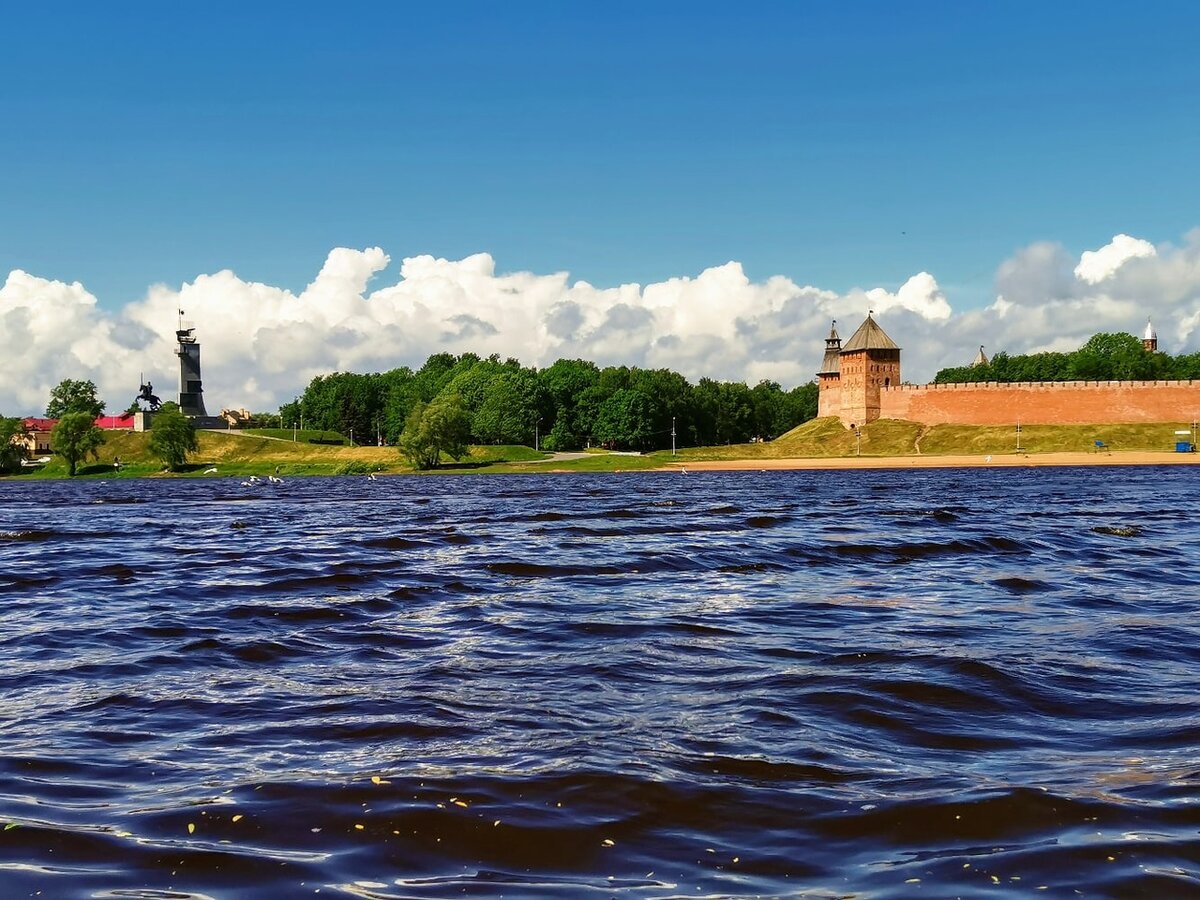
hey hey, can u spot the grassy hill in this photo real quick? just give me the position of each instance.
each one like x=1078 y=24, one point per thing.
x=824 y=438
x=892 y=437
x=239 y=453
x=242 y=453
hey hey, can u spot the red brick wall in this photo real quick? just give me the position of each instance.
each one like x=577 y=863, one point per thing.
x=829 y=396
x=1043 y=403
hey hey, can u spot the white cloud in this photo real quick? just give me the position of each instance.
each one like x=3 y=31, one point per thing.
x=1100 y=265
x=261 y=344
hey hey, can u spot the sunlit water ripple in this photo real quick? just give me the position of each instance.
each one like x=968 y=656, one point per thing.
x=921 y=683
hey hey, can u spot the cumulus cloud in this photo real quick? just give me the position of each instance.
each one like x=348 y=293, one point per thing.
x=1096 y=266
x=261 y=344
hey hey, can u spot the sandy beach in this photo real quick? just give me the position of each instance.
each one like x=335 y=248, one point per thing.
x=1007 y=460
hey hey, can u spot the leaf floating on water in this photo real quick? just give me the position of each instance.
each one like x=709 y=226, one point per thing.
x=358 y=827
x=912 y=880
x=460 y=803
x=375 y=779
x=737 y=859
x=497 y=822
x=10 y=826
x=238 y=817
x=191 y=827
x=995 y=880
x=609 y=842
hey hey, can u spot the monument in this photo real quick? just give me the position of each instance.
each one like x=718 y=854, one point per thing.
x=191 y=387
x=146 y=393
x=191 y=390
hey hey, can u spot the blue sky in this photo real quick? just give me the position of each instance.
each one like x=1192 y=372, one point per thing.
x=837 y=144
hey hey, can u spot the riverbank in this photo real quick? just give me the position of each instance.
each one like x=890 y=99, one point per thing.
x=960 y=461
x=819 y=444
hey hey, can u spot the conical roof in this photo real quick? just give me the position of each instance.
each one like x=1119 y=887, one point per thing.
x=1150 y=334
x=980 y=358
x=831 y=364
x=869 y=337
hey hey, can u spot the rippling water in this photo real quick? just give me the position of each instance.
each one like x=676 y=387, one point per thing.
x=641 y=685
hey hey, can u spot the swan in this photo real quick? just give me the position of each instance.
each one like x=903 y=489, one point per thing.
x=274 y=480
x=211 y=471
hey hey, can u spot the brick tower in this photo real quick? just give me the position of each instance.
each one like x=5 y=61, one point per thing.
x=869 y=362
x=829 y=395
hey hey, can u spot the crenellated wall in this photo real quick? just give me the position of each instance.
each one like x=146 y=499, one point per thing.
x=1042 y=402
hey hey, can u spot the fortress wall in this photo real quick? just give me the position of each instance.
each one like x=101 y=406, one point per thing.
x=829 y=400
x=1042 y=403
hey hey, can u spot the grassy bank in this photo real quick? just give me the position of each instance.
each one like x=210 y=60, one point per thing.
x=245 y=453
x=824 y=438
x=241 y=453
x=303 y=436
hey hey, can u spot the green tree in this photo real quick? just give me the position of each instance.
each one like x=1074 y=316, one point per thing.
x=172 y=436
x=76 y=437
x=735 y=413
x=566 y=424
x=70 y=396
x=508 y=413
x=803 y=401
x=626 y=421
x=432 y=429
x=10 y=451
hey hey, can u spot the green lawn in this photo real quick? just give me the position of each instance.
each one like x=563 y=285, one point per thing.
x=306 y=436
x=244 y=453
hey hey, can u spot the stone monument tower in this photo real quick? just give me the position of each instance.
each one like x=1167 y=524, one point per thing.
x=191 y=392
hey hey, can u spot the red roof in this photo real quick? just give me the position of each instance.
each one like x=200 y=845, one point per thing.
x=34 y=424
x=115 y=423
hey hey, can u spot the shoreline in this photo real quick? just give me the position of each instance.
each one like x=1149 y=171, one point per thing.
x=963 y=461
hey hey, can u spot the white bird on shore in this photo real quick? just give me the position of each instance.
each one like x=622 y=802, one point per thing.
x=211 y=471
x=370 y=476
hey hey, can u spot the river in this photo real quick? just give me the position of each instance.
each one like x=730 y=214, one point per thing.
x=644 y=685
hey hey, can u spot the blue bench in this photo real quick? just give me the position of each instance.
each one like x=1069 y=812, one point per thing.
x=1100 y=445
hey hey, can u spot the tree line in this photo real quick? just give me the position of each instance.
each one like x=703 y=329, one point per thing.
x=566 y=406
x=1105 y=357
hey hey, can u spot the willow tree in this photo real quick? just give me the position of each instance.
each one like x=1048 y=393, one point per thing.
x=442 y=426
x=172 y=436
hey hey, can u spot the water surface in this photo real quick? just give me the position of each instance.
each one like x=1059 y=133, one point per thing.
x=644 y=685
